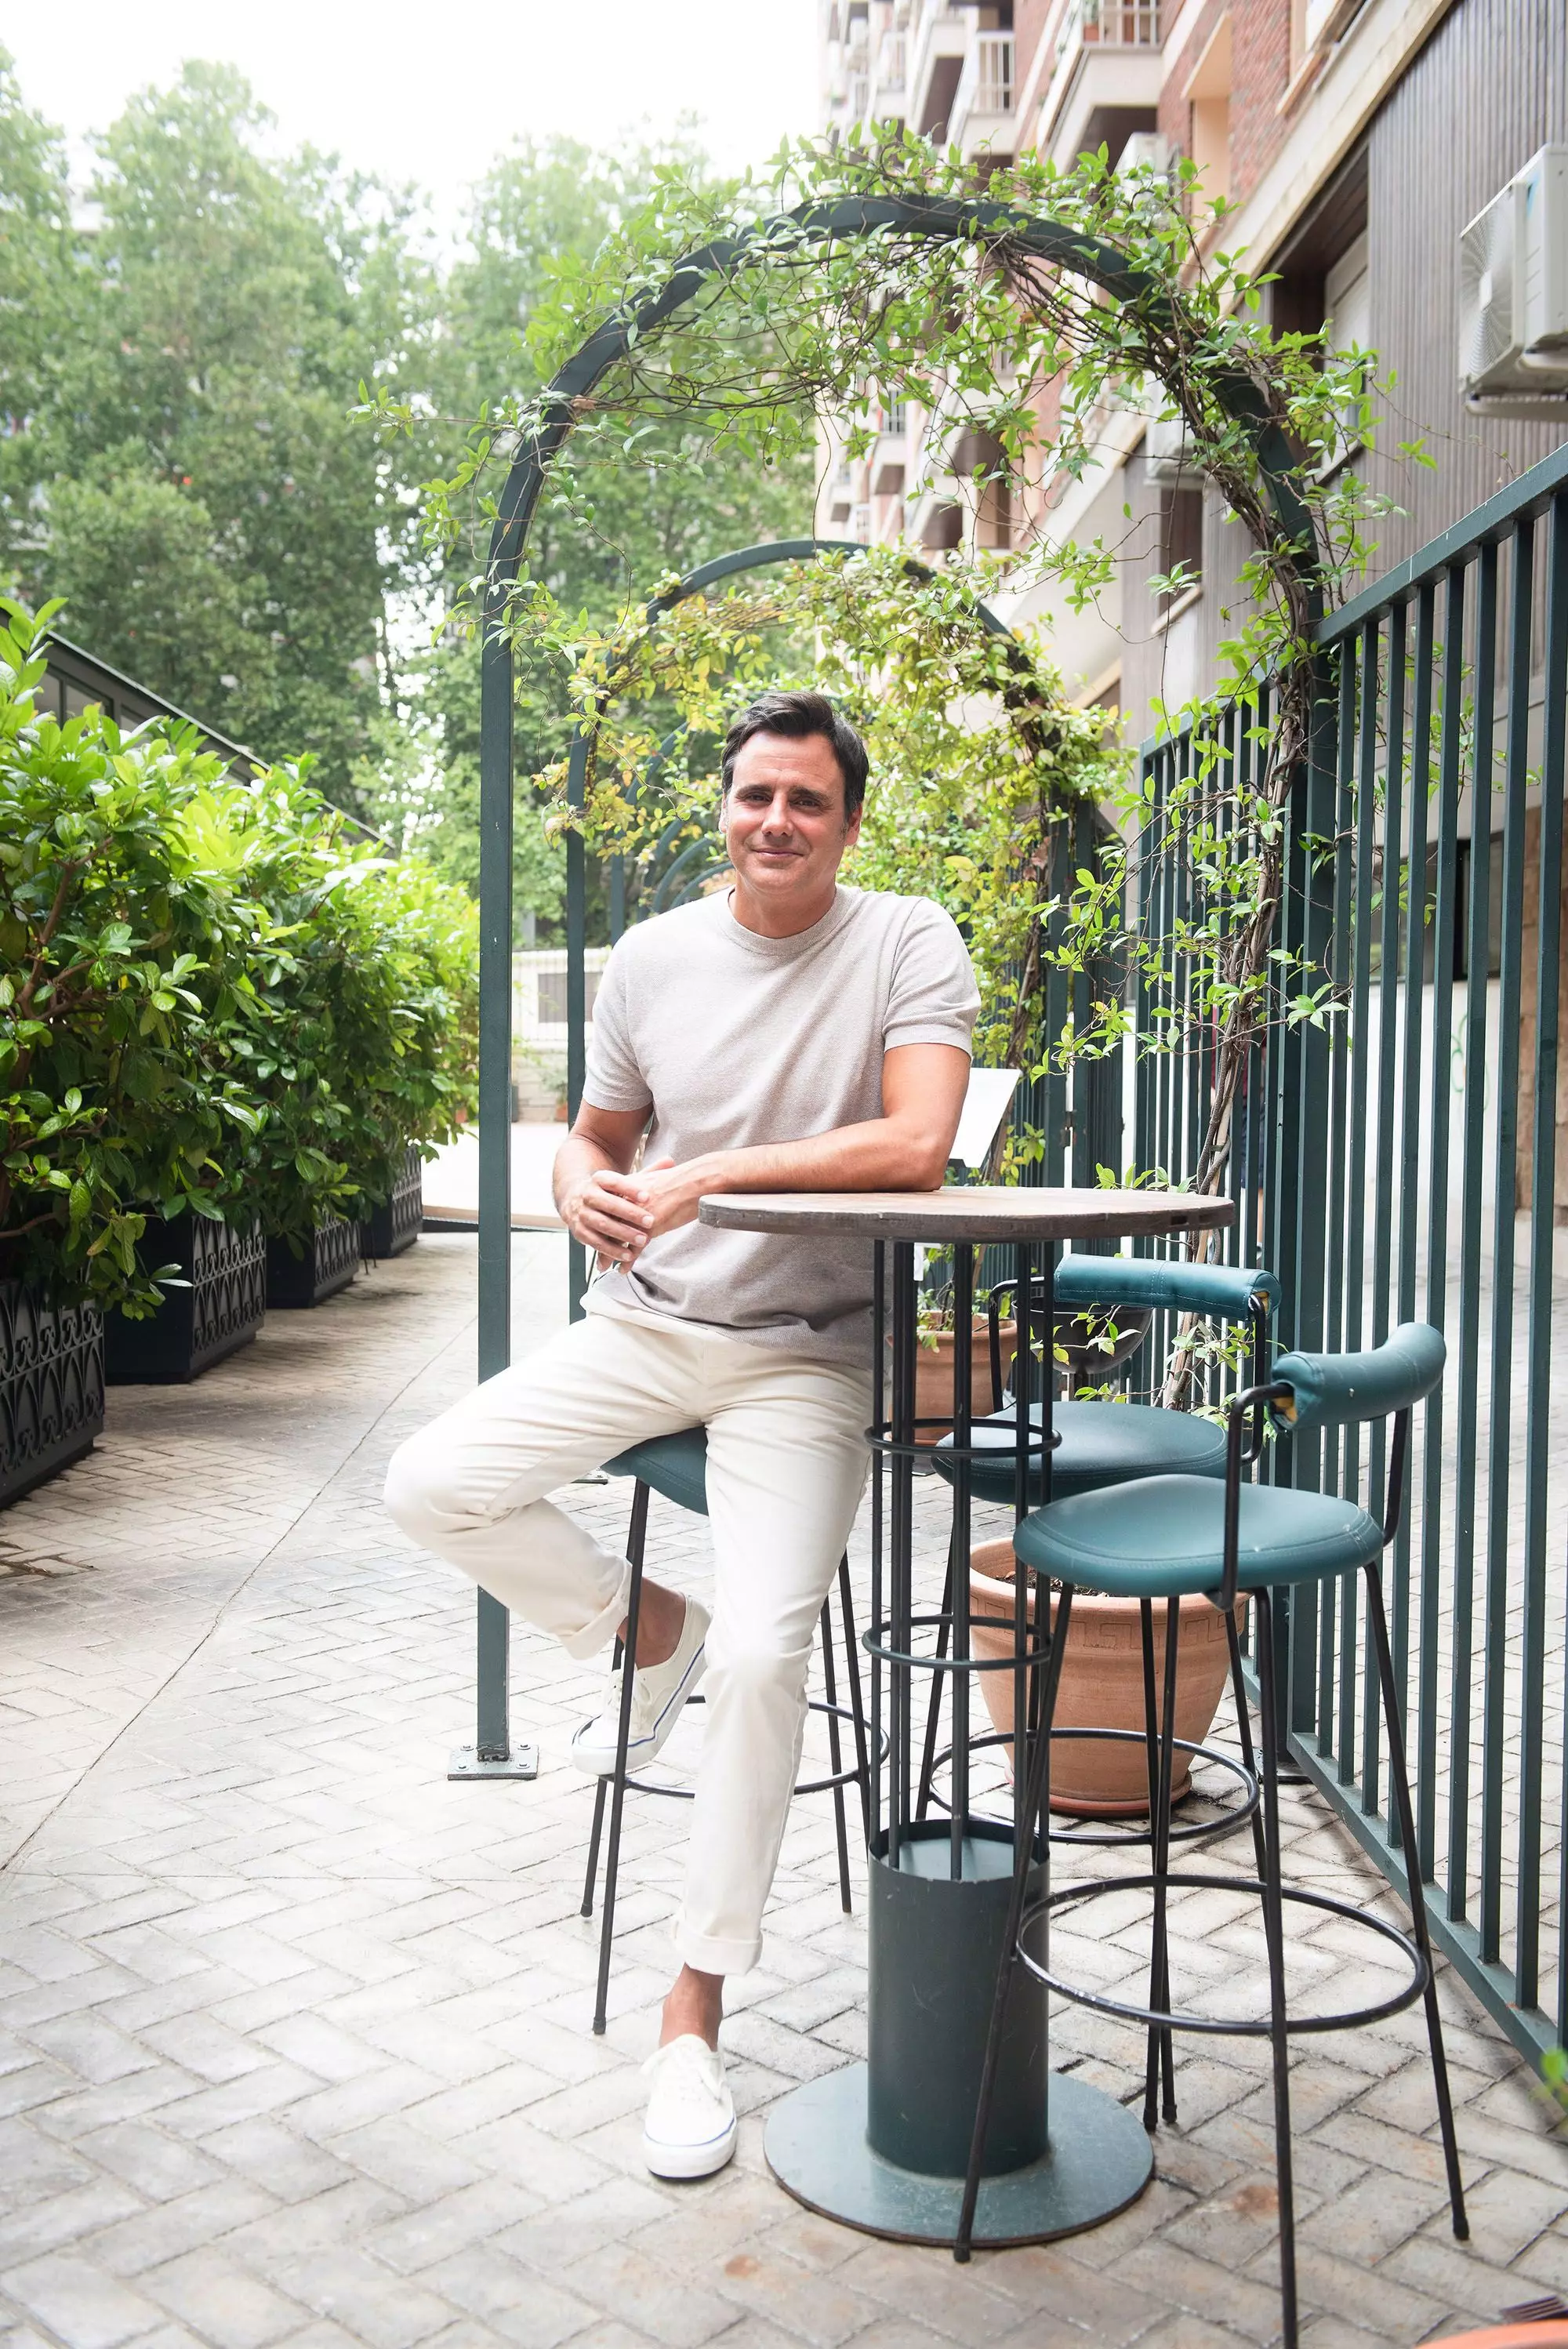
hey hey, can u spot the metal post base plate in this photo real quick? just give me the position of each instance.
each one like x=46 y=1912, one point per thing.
x=1100 y=2160
x=522 y=1762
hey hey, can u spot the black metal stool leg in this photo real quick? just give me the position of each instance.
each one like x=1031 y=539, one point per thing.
x=1039 y=1762
x=857 y=1698
x=934 y=1709
x=831 y=1687
x=635 y=1542
x=1244 y=1731
x=590 y=1876
x=1151 y=1750
x=1161 y=2067
x=1273 y=1929
x=1398 y=1778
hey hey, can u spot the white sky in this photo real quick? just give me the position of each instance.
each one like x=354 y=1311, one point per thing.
x=430 y=94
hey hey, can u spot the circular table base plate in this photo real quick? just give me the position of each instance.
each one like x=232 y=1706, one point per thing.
x=816 y=2147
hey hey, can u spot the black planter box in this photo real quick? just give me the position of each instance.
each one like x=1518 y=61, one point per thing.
x=395 y=1227
x=51 y=1385
x=226 y=1266
x=330 y=1261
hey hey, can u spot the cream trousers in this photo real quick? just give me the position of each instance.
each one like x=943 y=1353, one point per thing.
x=786 y=1466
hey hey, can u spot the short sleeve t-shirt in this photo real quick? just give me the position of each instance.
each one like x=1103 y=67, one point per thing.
x=729 y=1040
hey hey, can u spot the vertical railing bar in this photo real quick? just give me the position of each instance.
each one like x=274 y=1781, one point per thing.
x=1420 y=772
x=1433 y=1525
x=1341 y=951
x=1495 y=1681
x=1388 y=1182
x=1538 y=1419
x=1478 y=958
x=1356 y=1243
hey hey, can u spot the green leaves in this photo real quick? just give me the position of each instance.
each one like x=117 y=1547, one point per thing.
x=203 y=999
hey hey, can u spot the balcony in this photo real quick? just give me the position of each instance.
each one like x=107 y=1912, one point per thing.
x=887 y=80
x=983 y=116
x=942 y=40
x=1104 y=80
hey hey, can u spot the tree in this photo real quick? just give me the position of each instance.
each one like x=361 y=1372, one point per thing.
x=43 y=281
x=217 y=525
x=666 y=499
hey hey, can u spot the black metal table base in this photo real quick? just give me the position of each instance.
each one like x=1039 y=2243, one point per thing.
x=818 y=2150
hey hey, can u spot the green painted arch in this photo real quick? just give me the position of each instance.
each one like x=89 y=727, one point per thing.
x=948 y=220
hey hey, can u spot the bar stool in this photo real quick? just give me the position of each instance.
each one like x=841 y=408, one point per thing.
x=1172 y=1536
x=676 y=1467
x=1100 y=1444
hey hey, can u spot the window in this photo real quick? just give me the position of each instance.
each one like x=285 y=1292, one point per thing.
x=1180 y=541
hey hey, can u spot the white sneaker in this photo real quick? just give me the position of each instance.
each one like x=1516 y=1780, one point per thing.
x=690 y=2128
x=658 y=1693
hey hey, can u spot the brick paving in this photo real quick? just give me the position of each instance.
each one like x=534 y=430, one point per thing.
x=294 y=2042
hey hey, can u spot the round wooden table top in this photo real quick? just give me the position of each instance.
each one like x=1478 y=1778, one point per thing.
x=979 y=1212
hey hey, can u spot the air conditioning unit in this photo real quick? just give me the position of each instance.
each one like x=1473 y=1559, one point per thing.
x=1514 y=295
x=1168 y=451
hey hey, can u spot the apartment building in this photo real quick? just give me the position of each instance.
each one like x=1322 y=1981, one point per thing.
x=1355 y=138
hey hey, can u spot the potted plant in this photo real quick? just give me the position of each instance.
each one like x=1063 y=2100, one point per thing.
x=214 y=1300
x=364 y=1044
x=120 y=1109
x=1101 y=1685
x=388 y=1230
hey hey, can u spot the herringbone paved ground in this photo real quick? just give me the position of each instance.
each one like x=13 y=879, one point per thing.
x=294 y=2042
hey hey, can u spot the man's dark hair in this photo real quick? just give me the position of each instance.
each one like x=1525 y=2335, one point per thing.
x=796 y=716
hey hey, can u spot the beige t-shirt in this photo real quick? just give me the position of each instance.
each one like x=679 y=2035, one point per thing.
x=732 y=1039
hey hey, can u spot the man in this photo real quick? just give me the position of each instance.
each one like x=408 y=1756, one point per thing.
x=783 y=1034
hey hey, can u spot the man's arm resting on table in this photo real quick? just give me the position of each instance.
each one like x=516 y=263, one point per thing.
x=906 y=1149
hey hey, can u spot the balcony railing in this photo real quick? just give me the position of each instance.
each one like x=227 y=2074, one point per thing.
x=1110 y=24
x=892 y=59
x=985 y=86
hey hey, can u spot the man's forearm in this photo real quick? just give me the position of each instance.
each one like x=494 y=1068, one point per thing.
x=577 y=1161
x=882 y=1155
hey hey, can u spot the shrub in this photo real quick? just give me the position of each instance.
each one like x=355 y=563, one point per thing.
x=122 y=964
x=365 y=1036
x=207 y=999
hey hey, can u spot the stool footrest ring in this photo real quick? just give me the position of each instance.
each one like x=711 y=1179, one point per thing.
x=1199 y=1832
x=1346 y=2019
x=846 y=1777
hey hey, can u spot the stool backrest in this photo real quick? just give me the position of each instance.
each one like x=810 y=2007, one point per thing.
x=1337 y=1389
x=1220 y=1292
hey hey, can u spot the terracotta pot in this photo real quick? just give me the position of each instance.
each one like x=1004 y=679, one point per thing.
x=1102 y=1686
x=934 y=1378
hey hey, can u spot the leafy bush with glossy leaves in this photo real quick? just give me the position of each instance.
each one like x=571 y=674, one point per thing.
x=366 y=975
x=205 y=1001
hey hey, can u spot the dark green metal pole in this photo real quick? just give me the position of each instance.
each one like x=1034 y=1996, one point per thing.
x=576 y=989
x=493 y=1737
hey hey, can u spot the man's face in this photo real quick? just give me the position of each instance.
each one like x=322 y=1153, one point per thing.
x=783 y=817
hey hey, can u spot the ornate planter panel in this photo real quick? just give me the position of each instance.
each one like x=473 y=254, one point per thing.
x=51 y=1385
x=330 y=1261
x=226 y=1266
x=395 y=1227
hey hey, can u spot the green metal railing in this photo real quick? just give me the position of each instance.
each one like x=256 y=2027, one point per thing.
x=1401 y=1163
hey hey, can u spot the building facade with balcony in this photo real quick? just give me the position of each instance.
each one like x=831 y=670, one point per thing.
x=1353 y=139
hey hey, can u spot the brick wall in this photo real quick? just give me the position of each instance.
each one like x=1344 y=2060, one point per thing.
x=1260 y=76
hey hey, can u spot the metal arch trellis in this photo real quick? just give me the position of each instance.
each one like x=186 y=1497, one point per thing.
x=943 y=220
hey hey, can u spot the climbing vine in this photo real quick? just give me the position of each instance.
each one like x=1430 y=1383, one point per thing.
x=1057 y=302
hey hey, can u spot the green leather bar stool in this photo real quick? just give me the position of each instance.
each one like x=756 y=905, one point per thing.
x=676 y=1466
x=1100 y=1443
x=1173 y=1536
